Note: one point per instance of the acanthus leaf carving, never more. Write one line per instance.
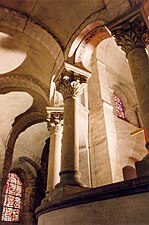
(131, 34)
(71, 84)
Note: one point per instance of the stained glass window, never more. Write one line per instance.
(119, 107)
(12, 202)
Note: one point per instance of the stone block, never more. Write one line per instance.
(66, 190)
(142, 167)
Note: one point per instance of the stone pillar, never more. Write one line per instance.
(132, 37)
(70, 86)
(55, 127)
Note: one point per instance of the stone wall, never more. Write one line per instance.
(124, 203)
(100, 161)
(84, 156)
(111, 143)
(132, 210)
(23, 145)
(2, 154)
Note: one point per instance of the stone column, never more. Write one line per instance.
(55, 127)
(131, 36)
(70, 86)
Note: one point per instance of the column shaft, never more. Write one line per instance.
(70, 148)
(132, 36)
(55, 118)
(54, 157)
(71, 86)
(139, 66)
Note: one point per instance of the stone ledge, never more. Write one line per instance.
(124, 188)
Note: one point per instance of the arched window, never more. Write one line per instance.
(12, 201)
(119, 107)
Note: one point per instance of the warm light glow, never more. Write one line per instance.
(82, 35)
(74, 46)
(52, 87)
(146, 51)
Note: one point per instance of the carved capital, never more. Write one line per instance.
(131, 34)
(71, 84)
(54, 119)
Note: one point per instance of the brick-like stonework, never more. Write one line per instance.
(19, 22)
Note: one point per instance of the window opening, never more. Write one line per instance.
(119, 107)
(12, 201)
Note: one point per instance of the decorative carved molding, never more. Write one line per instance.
(71, 84)
(131, 34)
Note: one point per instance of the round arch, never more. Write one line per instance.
(85, 43)
(30, 175)
(23, 24)
(20, 126)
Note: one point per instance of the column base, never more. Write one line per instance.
(63, 191)
(71, 178)
(47, 197)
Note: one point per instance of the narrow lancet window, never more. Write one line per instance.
(119, 107)
(12, 201)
